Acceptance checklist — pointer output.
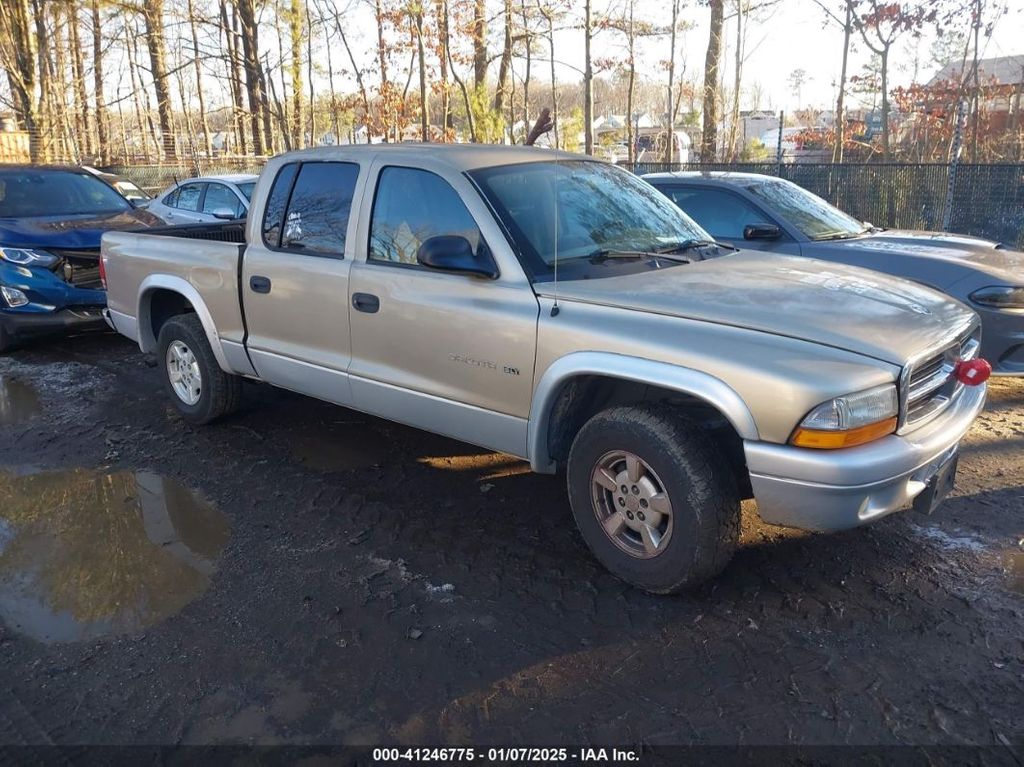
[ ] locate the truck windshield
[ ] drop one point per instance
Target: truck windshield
(579, 208)
(806, 211)
(28, 193)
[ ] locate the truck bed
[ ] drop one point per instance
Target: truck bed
(199, 260)
(221, 231)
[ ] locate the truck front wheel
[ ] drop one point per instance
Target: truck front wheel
(653, 497)
(200, 390)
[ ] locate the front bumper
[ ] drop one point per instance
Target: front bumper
(829, 490)
(21, 325)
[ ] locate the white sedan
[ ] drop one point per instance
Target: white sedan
(206, 199)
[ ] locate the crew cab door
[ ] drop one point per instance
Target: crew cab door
(444, 351)
(294, 279)
(726, 215)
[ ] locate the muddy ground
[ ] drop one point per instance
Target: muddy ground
(301, 573)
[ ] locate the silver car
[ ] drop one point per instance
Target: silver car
(772, 215)
(205, 199)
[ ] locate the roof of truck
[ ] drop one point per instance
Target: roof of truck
(460, 156)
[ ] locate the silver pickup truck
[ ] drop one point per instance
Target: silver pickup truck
(560, 310)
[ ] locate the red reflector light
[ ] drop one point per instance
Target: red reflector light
(972, 372)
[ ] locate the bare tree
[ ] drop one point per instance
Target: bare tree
(712, 61)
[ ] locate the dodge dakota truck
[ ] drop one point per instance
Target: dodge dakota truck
(559, 309)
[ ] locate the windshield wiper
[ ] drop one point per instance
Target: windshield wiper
(837, 236)
(685, 245)
(605, 254)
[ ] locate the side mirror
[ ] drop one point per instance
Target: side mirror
(761, 232)
(452, 253)
(224, 214)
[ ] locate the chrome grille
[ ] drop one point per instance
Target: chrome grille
(928, 386)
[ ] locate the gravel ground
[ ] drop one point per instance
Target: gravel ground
(304, 574)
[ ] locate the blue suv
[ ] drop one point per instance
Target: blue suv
(51, 221)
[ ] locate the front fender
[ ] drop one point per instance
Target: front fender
(696, 383)
(154, 282)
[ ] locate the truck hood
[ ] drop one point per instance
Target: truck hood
(70, 232)
(986, 255)
(845, 307)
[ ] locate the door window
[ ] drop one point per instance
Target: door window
(219, 197)
(318, 210)
(188, 197)
(412, 206)
(721, 213)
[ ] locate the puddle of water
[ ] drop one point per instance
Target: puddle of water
(18, 400)
(85, 554)
(352, 446)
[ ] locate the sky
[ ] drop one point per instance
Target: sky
(791, 35)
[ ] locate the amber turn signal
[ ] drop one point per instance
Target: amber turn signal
(833, 440)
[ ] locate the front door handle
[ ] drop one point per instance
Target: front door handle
(259, 284)
(365, 302)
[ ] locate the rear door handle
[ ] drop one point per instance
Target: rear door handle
(259, 284)
(365, 302)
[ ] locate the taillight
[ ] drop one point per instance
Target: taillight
(103, 271)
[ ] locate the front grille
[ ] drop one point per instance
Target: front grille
(928, 386)
(80, 268)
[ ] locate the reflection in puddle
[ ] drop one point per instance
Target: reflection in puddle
(1014, 563)
(18, 400)
(86, 554)
(352, 446)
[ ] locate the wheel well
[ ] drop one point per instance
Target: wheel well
(583, 397)
(164, 304)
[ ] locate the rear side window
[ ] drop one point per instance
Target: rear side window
(188, 197)
(319, 207)
(412, 206)
(273, 216)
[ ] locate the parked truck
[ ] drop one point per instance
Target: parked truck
(561, 310)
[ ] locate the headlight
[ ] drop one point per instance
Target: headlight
(28, 257)
(13, 296)
(851, 420)
(1000, 297)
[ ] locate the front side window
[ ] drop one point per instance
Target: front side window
(28, 193)
(188, 197)
(246, 189)
(722, 213)
(412, 206)
(578, 209)
(316, 221)
(814, 217)
(219, 197)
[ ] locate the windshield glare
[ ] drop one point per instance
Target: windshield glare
(599, 208)
(806, 211)
(32, 193)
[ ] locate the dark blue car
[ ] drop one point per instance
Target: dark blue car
(51, 221)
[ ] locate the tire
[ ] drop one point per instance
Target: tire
(216, 392)
(697, 536)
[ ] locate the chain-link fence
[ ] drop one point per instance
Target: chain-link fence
(987, 200)
(156, 178)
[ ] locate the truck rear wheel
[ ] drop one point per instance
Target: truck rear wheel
(653, 497)
(200, 390)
